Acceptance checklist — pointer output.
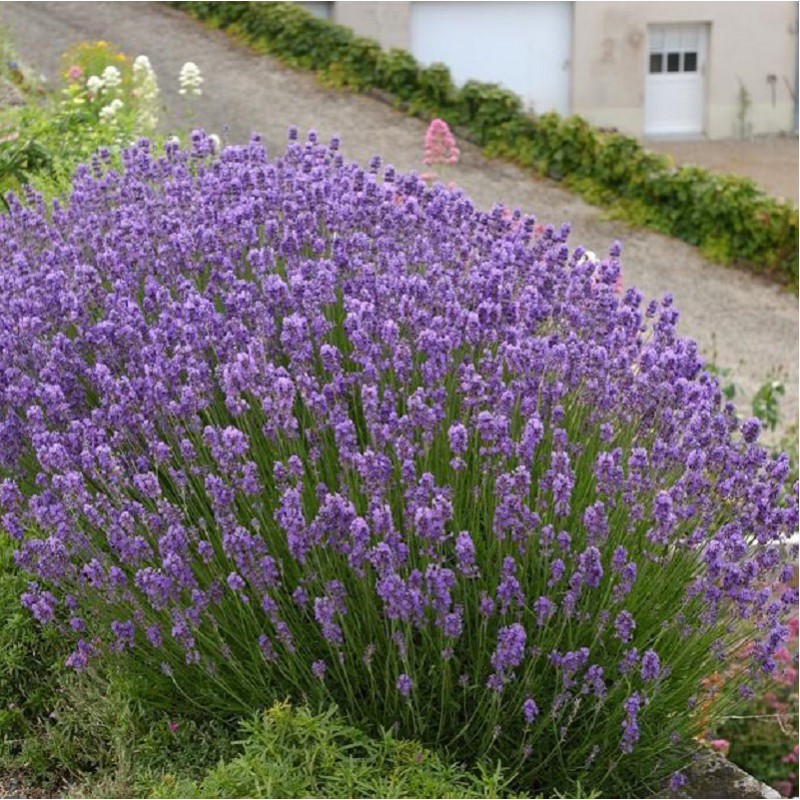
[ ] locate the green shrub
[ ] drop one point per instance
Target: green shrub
(398, 73)
(437, 88)
(486, 107)
(728, 217)
(294, 753)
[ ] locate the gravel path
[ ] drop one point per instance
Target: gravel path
(754, 322)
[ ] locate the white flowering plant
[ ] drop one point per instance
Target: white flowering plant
(190, 80)
(107, 101)
(107, 97)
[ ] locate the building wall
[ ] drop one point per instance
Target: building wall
(747, 41)
(388, 23)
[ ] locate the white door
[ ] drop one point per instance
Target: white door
(524, 46)
(675, 84)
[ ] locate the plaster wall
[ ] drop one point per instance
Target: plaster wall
(748, 41)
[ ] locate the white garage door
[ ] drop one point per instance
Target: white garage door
(675, 85)
(523, 46)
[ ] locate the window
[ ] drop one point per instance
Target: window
(673, 49)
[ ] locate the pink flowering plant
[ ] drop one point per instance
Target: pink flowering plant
(440, 149)
(287, 427)
(761, 736)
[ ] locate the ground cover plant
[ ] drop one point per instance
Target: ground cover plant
(289, 428)
(728, 216)
(289, 752)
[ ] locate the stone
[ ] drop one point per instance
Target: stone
(713, 776)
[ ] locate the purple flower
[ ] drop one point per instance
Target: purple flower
(651, 665)
(529, 710)
(235, 582)
(510, 647)
(624, 624)
(404, 684)
(593, 681)
(629, 661)
(556, 571)
(677, 781)
(630, 725)
(486, 605)
(41, 604)
(591, 567)
(465, 554)
(457, 436)
(318, 669)
(267, 648)
(750, 429)
(325, 611)
(453, 623)
(544, 608)
(509, 591)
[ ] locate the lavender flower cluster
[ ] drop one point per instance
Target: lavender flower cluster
(293, 425)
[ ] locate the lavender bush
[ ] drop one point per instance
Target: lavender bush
(289, 427)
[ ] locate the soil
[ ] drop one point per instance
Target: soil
(749, 324)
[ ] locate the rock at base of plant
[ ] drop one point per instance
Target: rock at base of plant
(713, 776)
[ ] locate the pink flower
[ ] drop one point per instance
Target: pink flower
(173, 725)
(74, 72)
(440, 145)
(790, 757)
(720, 745)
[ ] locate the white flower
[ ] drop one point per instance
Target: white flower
(94, 84)
(190, 79)
(141, 64)
(146, 92)
(144, 76)
(109, 112)
(112, 77)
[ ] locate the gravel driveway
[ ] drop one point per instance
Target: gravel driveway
(754, 322)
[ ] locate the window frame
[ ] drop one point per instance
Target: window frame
(666, 50)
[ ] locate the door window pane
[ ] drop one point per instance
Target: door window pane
(672, 38)
(657, 39)
(656, 62)
(689, 62)
(690, 38)
(673, 62)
